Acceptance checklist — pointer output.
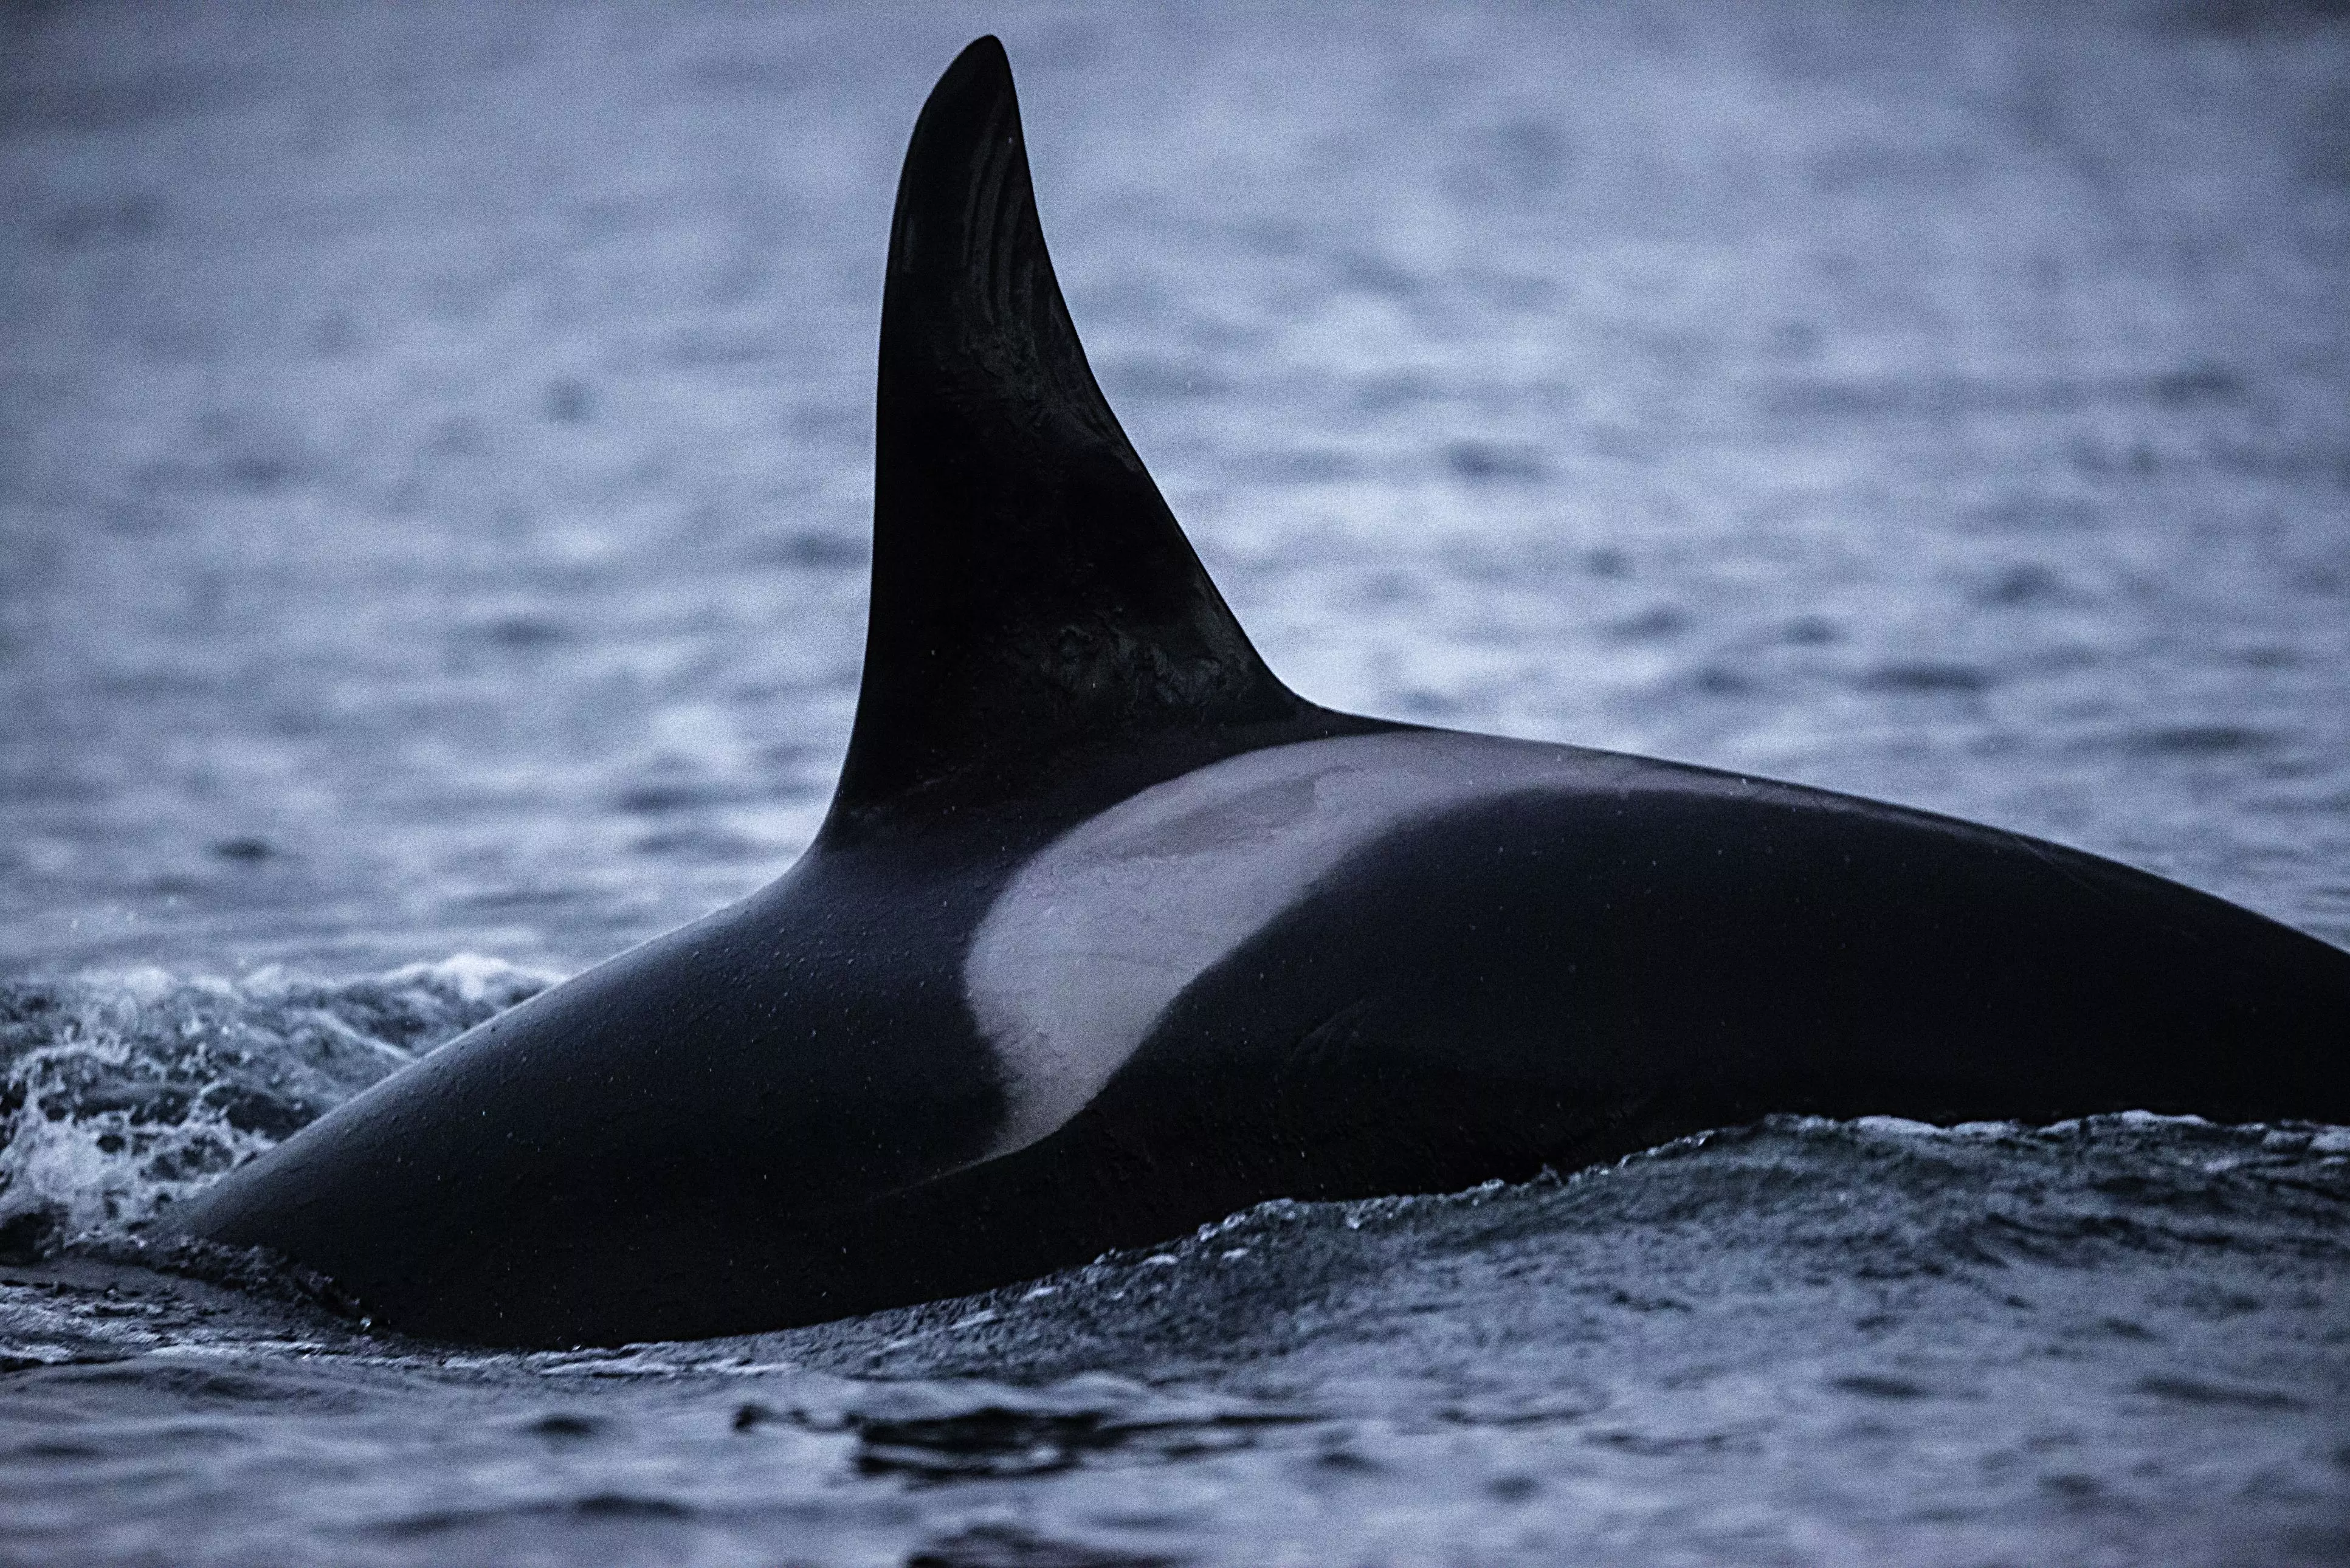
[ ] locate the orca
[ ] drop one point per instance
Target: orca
(1107, 934)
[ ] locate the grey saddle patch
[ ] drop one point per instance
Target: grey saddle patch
(1086, 947)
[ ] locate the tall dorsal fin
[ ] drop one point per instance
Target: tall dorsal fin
(1033, 599)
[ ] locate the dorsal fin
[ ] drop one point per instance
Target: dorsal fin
(1033, 599)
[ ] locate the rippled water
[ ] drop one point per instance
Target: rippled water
(2112, 1341)
(433, 465)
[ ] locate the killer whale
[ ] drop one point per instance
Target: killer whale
(1107, 933)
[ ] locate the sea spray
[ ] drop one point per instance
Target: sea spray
(121, 1093)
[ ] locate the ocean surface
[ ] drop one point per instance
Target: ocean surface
(434, 467)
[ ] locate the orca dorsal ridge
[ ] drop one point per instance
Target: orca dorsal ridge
(1033, 601)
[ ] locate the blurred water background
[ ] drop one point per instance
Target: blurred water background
(434, 448)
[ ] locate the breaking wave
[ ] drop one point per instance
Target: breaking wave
(121, 1093)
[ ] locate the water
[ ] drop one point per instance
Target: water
(2118, 1343)
(433, 466)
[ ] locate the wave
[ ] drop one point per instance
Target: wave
(121, 1094)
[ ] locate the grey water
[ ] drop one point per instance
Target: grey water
(434, 458)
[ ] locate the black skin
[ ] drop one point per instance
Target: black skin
(625, 1156)
(767, 1119)
(1550, 981)
(780, 1114)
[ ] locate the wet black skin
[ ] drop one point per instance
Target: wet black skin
(780, 1114)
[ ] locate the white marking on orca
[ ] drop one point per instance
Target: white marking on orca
(1087, 945)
